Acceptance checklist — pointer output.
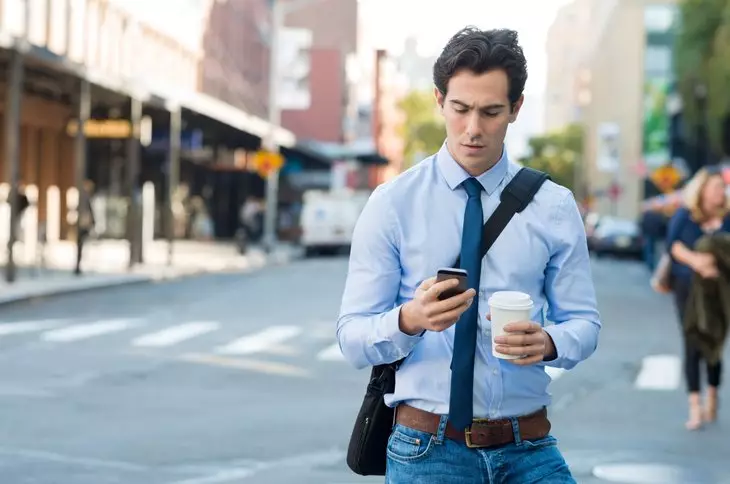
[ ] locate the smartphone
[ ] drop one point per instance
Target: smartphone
(450, 273)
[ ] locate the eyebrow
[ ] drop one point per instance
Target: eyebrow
(490, 106)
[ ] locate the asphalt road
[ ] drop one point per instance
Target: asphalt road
(235, 379)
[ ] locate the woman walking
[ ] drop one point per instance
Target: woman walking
(706, 211)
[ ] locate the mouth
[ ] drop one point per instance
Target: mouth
(473, 147)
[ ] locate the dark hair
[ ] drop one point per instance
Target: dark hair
(480, 51)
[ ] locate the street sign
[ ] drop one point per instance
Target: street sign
(266, 162)
(666, 177)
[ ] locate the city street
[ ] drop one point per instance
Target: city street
(234, 378)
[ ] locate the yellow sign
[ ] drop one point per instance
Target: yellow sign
(102, 128)
(265, 162)
(666, 177)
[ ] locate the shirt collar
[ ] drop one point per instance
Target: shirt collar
(454, 174)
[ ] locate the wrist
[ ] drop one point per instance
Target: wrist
(405, 320)
(551, 352)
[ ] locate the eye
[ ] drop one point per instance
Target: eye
(461, 110)
(492, 114)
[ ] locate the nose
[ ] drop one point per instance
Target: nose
(472, 125)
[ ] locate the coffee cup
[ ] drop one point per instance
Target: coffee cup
(508, 307)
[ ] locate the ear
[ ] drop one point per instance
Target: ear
(439, 98)
(516, 109)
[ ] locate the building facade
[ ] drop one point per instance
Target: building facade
(606, 88)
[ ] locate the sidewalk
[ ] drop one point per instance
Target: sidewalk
(105, 264)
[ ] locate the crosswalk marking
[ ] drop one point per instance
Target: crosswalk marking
(331, 353)
(28, 326)
(84, 331)
(175, 334)
(261, 341)
(659, 372)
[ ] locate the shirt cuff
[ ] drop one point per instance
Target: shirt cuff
(402, 341)
(560, 341)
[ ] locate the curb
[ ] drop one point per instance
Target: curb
(99, 282)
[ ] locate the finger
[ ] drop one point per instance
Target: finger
(527, 361)
(531, 350)
(522, 326)
(454, 301)
(489, 316)
(449, 318)
(438, 287)
(519, 339)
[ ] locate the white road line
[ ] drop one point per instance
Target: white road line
(554, 373)
(659, 372)
(175, 334)
(86, 462)
(331, 353)
(261, 341)
(85, 331)
(28, 326)
(259, 366)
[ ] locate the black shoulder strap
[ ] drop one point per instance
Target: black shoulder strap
(515, 197)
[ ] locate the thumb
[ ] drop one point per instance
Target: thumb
(489, 316)
(427, 284)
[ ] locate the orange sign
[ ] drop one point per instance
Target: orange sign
(265, 162)
(666, 178)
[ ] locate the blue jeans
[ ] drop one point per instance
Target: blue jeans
(416, 457)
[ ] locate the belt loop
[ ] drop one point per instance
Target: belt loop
(441, 432)
(516, 430)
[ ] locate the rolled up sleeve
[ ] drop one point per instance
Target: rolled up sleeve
(368, 329)
(570, 292)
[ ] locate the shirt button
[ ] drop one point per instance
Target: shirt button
(495, 371)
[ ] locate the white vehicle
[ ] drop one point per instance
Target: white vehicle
(328, 219)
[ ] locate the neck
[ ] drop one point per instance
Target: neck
(481, 168)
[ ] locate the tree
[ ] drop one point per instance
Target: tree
(701, 58)
(557, 153)
(423, 130)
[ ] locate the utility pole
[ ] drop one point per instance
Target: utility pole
(279, 10)
(272, 183)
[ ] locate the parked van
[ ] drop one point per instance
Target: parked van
(328, 219)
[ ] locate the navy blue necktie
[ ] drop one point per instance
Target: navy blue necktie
(465, 334)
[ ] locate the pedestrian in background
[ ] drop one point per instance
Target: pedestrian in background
(417, 223)
(705, 212)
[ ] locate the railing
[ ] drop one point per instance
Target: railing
(101, 36)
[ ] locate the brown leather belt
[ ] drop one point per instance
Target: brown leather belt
(482, 432)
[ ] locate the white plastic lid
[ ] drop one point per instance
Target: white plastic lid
(510, 300)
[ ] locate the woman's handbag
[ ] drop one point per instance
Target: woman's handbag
(661, 279)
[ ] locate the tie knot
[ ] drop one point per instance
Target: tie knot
(472, 187)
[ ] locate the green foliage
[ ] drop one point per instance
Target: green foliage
(702, 56)
(557, 153)
(423, 130)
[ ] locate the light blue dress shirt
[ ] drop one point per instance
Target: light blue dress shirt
(411, 227)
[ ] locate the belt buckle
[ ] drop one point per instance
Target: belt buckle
(467, 433)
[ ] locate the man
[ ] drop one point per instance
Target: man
(414, 225)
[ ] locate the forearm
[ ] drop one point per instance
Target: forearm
(683, 254)
(367, 340)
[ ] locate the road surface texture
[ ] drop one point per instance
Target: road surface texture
(237, 379)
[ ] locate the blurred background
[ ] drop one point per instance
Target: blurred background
(180, 183)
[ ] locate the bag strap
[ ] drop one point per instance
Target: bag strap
(515, 197)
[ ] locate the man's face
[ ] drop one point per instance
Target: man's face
(477, 112)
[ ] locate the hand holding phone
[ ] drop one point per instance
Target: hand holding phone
(438, 303)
